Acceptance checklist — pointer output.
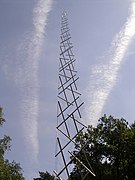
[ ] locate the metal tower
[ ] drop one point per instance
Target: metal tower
(69, 117)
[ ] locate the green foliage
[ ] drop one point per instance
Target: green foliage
(109, 148)
(2, 120)
(45, 176)
(8, 170)
(4, 145)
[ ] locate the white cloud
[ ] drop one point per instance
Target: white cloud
(23, 68)
(32, 47)
(104, 75)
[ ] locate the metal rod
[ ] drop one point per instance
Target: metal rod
(67, 106)
(82, 163)
(63, 157)
(68, 142)
(64, 119)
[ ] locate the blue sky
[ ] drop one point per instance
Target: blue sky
(29, 58)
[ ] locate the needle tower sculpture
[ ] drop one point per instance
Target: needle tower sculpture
(69, 119)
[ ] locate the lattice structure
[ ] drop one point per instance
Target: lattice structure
(69, 123)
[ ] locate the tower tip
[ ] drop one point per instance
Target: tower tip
(64, 14)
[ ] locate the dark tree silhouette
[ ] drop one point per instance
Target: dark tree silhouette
(45, 176)
(110, 150)
(8, 170)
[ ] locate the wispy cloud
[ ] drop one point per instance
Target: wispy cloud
(29, 51)
(29, 76)
(104, 75)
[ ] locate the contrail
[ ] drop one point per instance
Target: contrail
(27, 76)
(104, 75)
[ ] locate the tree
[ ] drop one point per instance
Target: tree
(109, 149)
(45, 176)
(8, 170)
